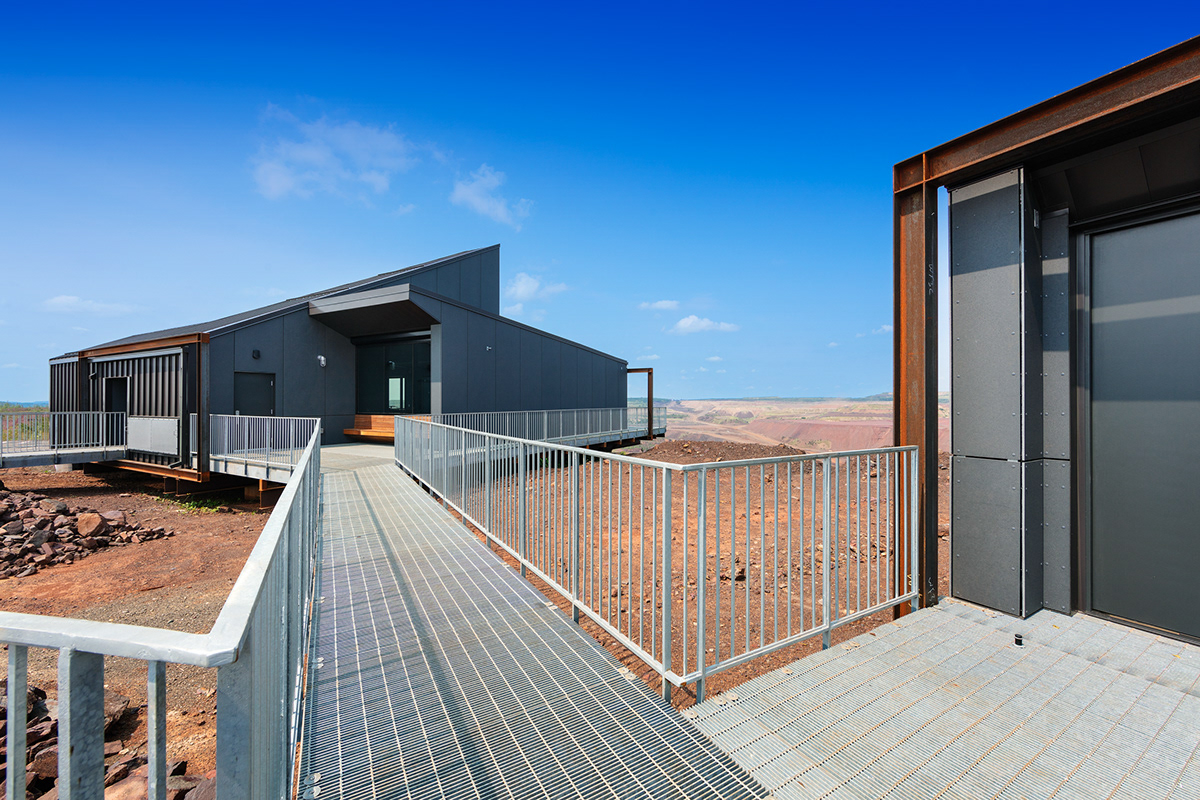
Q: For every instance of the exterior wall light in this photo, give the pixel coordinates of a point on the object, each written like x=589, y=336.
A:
x=321, y=360
x=255, y=354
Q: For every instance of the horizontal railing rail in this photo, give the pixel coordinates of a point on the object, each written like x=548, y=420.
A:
x=24, y=432
x=549, y=425
x=265, y=441
x=257, y=644
x=694, y=568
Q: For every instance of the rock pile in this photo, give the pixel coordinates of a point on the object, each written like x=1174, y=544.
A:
x=125, y=768
x=37, y=532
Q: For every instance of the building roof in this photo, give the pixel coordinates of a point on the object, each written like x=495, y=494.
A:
x=237, y=320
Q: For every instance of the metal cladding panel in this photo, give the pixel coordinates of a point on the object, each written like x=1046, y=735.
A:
x=470, y=287
x=531, y=371
x=580, y=389
x=1032, y=487
x=1056, y=535
x=489, y=280
x=339, y=377
x=435, y=369
x=454, y=359
x=155, y=383
x=618, y=385
x=1030, y=332
x=481, y=363
x=1056, y=338
x=985, y=287
x=64, y=386
x=449, y=280
x=567, y=377
x=508, y=363
x=599, y=382
x=301, y=380
x=985, y=533
x=552, y=372
x=154, y=435
x=220, y=371
x=267, y=338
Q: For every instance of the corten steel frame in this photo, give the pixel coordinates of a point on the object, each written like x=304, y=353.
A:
x=649, y=372
x=1146, y=94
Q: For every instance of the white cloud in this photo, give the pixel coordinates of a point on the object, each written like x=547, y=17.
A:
x=832, y=344
x=11, y=366
x=652, y=357
x=714, y=358
x=70, y=304
x=515, y=310
x=701, y=369
x=339, y=158
x=478, y=193
x=720, y=372
x=660, y=305
x=883, y=329
x=407, y=208
x=694, y=324
x=525, y=287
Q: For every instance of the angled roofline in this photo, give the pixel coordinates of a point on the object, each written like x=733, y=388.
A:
x=222, y=325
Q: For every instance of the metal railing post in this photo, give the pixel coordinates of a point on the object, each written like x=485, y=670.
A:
x=701, y=578
x=667, y=591
x=521, y=506
x=17, y=691
x=575, y=565
x=156, y=730
x=913, y=512
x=80, y=725
x=487, y=485
x=826, y=617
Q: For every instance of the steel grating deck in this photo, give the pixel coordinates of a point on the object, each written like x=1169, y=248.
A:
x=438, y=672
x=943, y=704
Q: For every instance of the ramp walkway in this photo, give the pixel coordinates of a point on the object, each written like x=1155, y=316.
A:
x=942, y=703
x=440, y=673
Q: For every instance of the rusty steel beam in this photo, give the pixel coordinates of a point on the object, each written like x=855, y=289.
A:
x=916, y=363
x=649, y=397
x=154, y=344
x=1158, y=84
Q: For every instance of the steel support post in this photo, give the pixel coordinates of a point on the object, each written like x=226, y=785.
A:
x=916, y=366
x=80, y=725
x=521, y=467
x=701, y=579
x=156, y=729
x=235, y=704
x=826, y=612
x=576, y=571
x=667, y=590
x=487, y=485
x=17, y=713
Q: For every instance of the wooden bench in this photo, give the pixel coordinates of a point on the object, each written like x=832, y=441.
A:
x=373, y=426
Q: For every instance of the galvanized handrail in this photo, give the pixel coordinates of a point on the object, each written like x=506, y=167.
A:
x=257, y=645
x=746, y=556
x=55, y=431
x=548, y=425
x=269, y=441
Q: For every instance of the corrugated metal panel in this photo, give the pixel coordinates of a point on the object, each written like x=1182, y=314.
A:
x=64, y=386
x=155, y=389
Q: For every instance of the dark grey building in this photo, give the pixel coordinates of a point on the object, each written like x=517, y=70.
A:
x=428, y=338
x=1075, y=357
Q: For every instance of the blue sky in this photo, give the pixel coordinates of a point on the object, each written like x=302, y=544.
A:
x=703, y=189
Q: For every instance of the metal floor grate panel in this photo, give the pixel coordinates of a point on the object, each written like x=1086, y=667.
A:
x=437, y=671
x=943, y=704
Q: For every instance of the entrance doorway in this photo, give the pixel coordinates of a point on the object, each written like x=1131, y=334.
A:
x=394, y=377
x=1144, y=429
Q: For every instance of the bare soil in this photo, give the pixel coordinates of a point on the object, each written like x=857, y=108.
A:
x=178, y=583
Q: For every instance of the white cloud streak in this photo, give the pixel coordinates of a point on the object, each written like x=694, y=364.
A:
x=71, y=304
x=524, y=287
x=339, y=158
x=714, y=358
x=695, y=324
x=659, y=305
x=653, y=357
x=478, y=193
x=883, y=329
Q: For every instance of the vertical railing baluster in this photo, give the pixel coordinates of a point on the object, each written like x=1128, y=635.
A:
x=521, y=520
x=156, y=730
x=575, y=566
x=667, y=589
x=826, y=616
x=701, y=579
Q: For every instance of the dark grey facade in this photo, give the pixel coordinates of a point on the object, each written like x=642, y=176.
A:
x=307, y=357
x=1075, y=377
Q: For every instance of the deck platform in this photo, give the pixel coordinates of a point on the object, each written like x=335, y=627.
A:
x=942, y=703
x=439, y=672
x=65, y=455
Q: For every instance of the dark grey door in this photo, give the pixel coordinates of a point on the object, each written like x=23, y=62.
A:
x=1145, y=424
x=254, y=394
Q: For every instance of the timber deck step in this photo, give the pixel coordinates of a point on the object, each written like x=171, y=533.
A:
x=373, y=426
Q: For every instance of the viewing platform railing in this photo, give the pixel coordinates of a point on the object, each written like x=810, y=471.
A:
x=29, y=433
x=569, y=424
x=694, y=568
x=257, y=645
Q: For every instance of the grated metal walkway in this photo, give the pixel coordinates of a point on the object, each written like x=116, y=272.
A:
x=943, y=704
x=439, y=672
